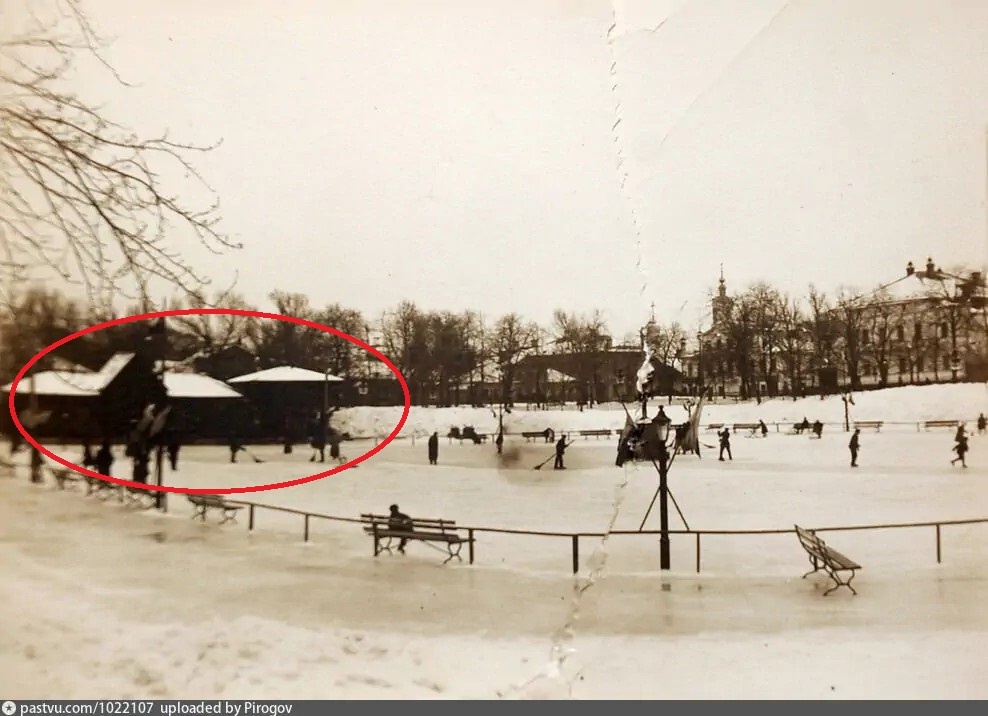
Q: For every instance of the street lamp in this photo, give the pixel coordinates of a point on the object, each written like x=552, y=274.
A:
x=661, y=423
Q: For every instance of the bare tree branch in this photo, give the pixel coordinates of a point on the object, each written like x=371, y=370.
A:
x=79, y=193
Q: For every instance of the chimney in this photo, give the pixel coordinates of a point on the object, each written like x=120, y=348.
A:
x=930, y=268
x=910, y=269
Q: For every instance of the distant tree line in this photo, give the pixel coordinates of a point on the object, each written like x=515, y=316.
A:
x=444, y=354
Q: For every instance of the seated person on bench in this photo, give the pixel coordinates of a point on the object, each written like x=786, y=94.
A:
x=399, y=521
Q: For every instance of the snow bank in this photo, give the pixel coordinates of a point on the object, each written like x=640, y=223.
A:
x=909, y=404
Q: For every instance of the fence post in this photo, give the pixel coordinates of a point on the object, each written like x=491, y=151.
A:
x=576, y=554
x=697, y=552
x=938, y=544
x=470, y=537
x=306, y=528
x=250, y=518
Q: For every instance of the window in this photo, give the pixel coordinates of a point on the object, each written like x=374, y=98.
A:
x=865, y=337
x=903, y=366
x=900, y=333
x=944, y=330
x=919, y=364
x=918, y=331
x=946, y=362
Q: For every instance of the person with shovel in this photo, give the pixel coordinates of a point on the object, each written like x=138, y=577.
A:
x=560, y=451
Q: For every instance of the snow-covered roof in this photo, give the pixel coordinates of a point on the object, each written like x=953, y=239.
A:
x=112, y=367
x=285, y=374
x=69, y=384
x=59, y=382
x=194, y=385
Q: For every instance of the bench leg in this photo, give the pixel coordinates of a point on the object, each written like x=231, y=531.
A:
x=228, y=516
x=838, y=583
x=453, y=552
x=816, y=568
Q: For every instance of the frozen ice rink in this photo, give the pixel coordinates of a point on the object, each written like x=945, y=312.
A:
x=102, y=599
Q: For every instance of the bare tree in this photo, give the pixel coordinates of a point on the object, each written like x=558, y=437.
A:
x=880, y=325
x=81, y=194
x=850, y=316
x=341, y=356
x=513, y=338
x=405, y=333
x=585, y=340
x=792, y=342
x=34, y=318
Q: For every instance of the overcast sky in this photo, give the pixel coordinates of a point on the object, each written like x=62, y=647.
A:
x=520, y=156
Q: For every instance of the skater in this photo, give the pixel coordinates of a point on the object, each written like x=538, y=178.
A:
x=104, y=459
x=854, y=446
x=549, y=434
x=173, y=447
x=399, y=521
x=763, y=428
x=88, y=460
x=982, y=424
x=37, y=461
x=560, y=451
x=960, y=448
x=499, y=442
x=434, y=448
x=818, y=429
x=725, y=444
x=139, y=471
x=805, y=425
x=334, y=447
x=235, y=447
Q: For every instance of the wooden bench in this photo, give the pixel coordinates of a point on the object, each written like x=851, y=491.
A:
x=424, y=530
x=876, y=424
x=530, y=435
x=715, y=426
x=941, y=424
x=204, y=503
x=595, y=433
x=825, y=558
x=751, y=427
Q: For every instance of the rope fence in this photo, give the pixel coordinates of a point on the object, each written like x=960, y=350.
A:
x=575, y=537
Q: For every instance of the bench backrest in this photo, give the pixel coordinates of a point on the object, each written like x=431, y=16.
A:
x=424, y=523
x=213, y=500
x=809, y=540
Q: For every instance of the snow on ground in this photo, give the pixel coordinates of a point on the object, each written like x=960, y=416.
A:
x=907, y=405
x=103, y=600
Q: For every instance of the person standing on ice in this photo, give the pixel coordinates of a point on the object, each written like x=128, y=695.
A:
x=982, y=424
x=560, y=451
x=104, y=459
x=854, y=445
x=960, y=448
x=725, y=444
x=763, y=428
x=434, y=448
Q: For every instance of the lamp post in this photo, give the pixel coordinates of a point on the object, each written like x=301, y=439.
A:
x=699, y=364
x=324, y=422
x=661, y=424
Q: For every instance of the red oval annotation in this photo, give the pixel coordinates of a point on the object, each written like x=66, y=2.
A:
x=214, y=312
